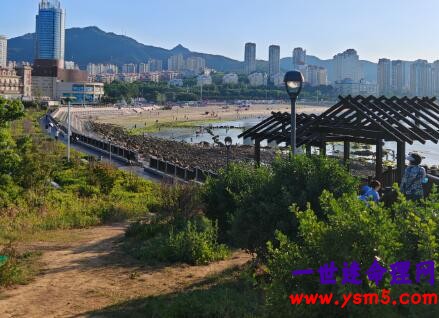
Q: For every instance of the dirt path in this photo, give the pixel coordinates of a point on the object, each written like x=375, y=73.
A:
x=93, y=273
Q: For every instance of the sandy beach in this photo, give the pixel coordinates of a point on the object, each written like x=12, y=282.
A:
x=144, y=117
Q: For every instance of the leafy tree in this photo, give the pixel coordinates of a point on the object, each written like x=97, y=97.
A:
x=10, y=110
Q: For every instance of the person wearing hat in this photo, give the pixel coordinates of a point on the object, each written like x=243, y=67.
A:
x=411, y=185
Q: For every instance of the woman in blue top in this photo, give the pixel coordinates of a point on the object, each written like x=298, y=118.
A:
x=414, y=175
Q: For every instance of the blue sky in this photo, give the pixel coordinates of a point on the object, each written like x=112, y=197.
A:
x=398, y=29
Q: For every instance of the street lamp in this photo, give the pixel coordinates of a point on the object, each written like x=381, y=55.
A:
x=293, y=84
x=68, y=99
x=228, y=142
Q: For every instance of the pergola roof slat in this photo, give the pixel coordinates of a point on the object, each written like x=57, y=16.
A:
x=360, y=119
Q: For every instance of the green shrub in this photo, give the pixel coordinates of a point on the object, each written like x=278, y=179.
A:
x=196, y=246
x=251, y=204
x=179, y=201
x=193, y=241
x=223, y=196
x=353, y=232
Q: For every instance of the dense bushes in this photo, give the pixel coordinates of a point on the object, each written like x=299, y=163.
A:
x=193, y=241
x=354, y=232
x=178, y=232
x=250, y=205
x=224, y=196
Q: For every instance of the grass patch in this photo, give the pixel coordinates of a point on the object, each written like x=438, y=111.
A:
x=89, y=194
x=153, y=128
x=20, y=268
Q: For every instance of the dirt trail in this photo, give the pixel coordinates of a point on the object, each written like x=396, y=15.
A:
x=93, y=273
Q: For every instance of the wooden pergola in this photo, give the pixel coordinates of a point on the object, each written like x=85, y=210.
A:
x=368, y=120
x=275, y=128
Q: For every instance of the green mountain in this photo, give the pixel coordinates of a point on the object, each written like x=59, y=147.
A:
x=92, y=45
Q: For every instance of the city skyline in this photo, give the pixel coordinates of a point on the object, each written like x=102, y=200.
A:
x=209, y=33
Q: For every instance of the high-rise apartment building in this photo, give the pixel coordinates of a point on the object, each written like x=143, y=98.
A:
x=384, y=78
x=196, y=64
x=100, y=69
x=49, y=33
x=3, y=51
x=250, y=58
x=299, y=57
x=155, y=65
x=435, y=78
x=420, y=78
x=143, y=68
x=273, y=60
x=399, y=76
x=315, y=75
x=70, y=65
x=176, y=63
x=347, y=66
x=130, y=68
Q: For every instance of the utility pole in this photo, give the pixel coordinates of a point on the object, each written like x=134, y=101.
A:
x=69, y=99
x=201, y=92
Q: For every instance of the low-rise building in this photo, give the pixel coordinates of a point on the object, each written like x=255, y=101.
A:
x=154, y=76
x=70, y=65
x=277, y=79
x=176, y=82
x=257, y=79
x=128, y=77
x=169, y=75
x=353, y=88
x=50, y=81
x=16, y=83
x=230, y=78
x=84, y=93
x=204, y=80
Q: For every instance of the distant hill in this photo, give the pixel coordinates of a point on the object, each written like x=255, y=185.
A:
x=92, y=45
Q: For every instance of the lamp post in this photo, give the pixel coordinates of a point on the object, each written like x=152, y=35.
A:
x=228, y=142
x=293, y=83
x=68, y=99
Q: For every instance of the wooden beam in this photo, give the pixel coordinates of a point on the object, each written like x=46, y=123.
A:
x=379, y=160
x=400, y=161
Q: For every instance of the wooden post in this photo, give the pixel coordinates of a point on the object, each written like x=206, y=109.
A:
x=258, y=152
x=308, y=150
x=346, y=151
x=400, y=161
x=323, y=149
x=379, y=160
